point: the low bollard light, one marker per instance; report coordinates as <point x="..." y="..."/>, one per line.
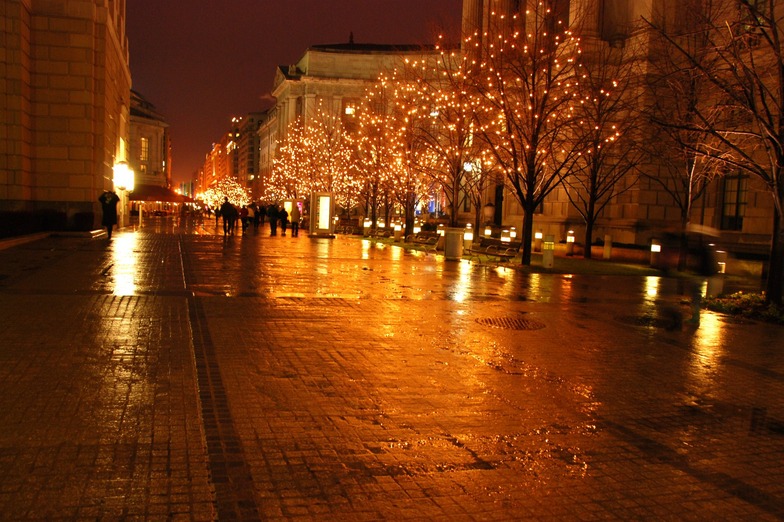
<point x="656" y="249"/>
<point x="468" y="237"/>
<point x="398" y="232"/>
<point x="607" y="246"/>
<point x="570" y="243"/>
<point x="538" y="241"/>
<point x="488" y="231"/>
<point x="366" y="226"/>
<point x="548" y="251"/>
<point x="721" y="261"/>
<point x="506" y="236"/>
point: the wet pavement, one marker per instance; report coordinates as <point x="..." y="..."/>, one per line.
<point x="173" y="373"/>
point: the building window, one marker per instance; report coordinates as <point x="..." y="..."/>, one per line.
<point x="144" y="150"/>
<point x="734" y="195"/>
<point x="350" y="107"/>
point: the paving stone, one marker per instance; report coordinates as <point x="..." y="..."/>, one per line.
<point x="174" y="373"/>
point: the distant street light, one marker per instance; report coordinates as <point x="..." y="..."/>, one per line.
<point x="124" y="182"/>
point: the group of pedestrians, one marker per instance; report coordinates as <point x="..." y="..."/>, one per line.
<point x="278" y="215"/>
<point x="255" y="214"/>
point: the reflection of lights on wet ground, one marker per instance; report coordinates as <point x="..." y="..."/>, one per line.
<point x="124" y="264"/>
<point x="708" y="348"/>
<point x="397" y="254"/>
<point x="462" y="286"/>
<point x="652" y="287"/>
<point x="567" y="288"/>
<point x="535" y="283"/>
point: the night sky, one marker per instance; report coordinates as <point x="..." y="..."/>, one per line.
<point x="201" y="62"/>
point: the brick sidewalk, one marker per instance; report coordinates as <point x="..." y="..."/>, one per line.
<point x="195" y="377"/>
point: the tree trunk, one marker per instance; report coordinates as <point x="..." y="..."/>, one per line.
<point x="773" y="287"/>
<point x="588" y="242"/>
<point x="410" y="214"/>
<point x="528" y="228"/>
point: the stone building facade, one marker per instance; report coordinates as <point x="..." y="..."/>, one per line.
<point x="65" y="98"/>
<point x="331" y="78"/>
<point x="150" y="145"/>
<point x="734" y="204"/>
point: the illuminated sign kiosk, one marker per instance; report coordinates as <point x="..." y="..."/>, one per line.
<point x="321" y="212"/>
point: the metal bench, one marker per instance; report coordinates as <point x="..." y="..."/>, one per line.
<point x="495" y="248"/>
<point x="428" y="241"/>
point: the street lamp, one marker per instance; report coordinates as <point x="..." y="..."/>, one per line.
<point x="123" y="180"/>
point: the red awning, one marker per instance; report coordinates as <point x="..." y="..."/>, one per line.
<point x="157" y="193"/>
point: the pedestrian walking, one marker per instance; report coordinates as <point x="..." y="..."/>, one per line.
<point x="284" y="219"/>
<point x="256" y="216"/>
<point x="262" y="214"/>
<point x="229" y="215"/>
<point x="294" y="217"/>
<point x="109" y="200"/>
<point x="244" y="215"/>
<point x="252" y="216"/>
<point x="272" y="214"/>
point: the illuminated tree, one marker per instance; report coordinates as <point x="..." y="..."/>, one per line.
<point x="445" y="118"/>
<point x="378" y="145"/>
<point x="411" y="184"/>
<point x="226" y="188"/>
<point x="390" y="149"/>
<point x="316" y="156"/>
<point x="292" y="165"/>
<point x="528" y="80"/>
<point x="604" y="132"/>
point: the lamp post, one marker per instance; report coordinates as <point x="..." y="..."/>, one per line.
<point x="123" y="180"/>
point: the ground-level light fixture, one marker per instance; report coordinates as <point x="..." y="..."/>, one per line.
<point x="538" y="235"/>
<point x="570" y="243"/>
<point x="656" y="249"/>
<point x="468" y="235"/>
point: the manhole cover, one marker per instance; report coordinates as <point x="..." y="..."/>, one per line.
<point x="511" y="323"/>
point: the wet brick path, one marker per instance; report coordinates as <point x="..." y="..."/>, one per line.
<point x="173" y="373"/>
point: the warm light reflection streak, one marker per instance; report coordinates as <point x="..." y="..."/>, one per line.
<point x="124" y="267"/>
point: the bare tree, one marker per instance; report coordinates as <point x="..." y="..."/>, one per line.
<point x="744" y="40"/>
<point x="681" y="107"/>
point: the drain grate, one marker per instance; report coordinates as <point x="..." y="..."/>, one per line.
<point x="511" y="323"/>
